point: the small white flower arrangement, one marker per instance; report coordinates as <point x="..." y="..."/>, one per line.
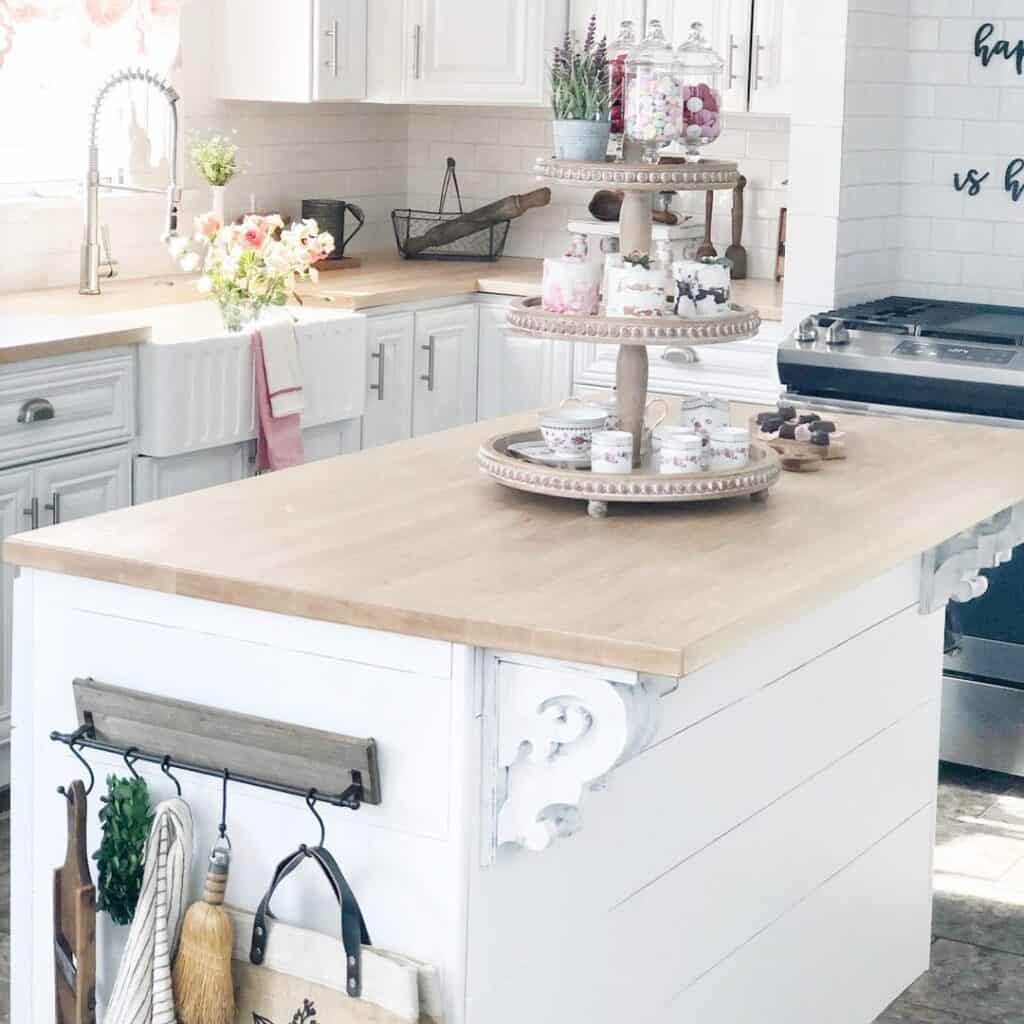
<point x="250" y="266"/>
<point x="216" y="159"/>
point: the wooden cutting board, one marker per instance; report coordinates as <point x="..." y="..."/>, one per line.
<point x="800" y="456"/>
<point x="74" y="921"/>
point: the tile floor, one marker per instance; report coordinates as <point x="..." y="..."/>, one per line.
<point x="977" y="974"/>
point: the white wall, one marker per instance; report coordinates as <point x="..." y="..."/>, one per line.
<point x="919" y="108"/>
<point x="348" y="151"/>
<point x="495" y="149"/>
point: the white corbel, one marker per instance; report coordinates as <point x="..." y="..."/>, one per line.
<point x="952" y="571"/>
<point x="553" y="732"/>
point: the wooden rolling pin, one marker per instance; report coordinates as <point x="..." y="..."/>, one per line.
<point x="476" y="220"/>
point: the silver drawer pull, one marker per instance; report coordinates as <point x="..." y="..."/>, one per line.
<point x="35" y="410"/>
<point x="53" y="507"/>
<point x="379" y="386"/>
<point x="428" y="377"/>
<point x="32" y="514"/>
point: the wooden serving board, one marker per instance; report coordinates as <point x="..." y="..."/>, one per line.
<point x="799" y="456"/>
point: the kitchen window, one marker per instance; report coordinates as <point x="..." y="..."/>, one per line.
<point x="54" y="55"/>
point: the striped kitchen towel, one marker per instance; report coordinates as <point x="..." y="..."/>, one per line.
<point x="142" y="992"/>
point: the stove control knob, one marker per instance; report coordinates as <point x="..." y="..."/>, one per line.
<point x="837" y="333"/>
<point x="807" y="330"/>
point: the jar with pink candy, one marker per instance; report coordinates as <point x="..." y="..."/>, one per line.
<point x="700" y="72"/>
<point x="653" y="97"/>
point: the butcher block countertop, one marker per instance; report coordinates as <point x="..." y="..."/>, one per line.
<point x="382" y="280"/>
<point x="411" y="538"/>
<point x="36" y="336"/>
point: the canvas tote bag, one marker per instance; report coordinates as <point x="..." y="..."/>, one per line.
<point x="289" y="975"/>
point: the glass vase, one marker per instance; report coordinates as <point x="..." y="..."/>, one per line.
<point x="239" y="314"/>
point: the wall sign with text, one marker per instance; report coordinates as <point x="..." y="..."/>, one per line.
<point x="972" y="181"/>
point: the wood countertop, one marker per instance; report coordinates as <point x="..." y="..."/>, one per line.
<point x="382" y="280"/>
<point x="411" y="538"/>
<point x="34" y="337"/>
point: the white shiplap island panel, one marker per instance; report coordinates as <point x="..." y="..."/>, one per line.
<point x="712" y="802"/>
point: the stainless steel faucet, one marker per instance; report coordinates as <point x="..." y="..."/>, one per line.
<point x="92" y="267"/>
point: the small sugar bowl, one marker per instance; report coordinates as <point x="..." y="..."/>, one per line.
<point x="729" y="448"/>
<point x="569" y="431"/>
<point x="681" y="452"/>
<point x="704" y="414"/>
<point x="612" y="452"/>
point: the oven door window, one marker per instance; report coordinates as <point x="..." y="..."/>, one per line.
<point x="985" y="637"/>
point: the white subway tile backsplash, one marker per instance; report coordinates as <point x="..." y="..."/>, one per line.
<point x="938" y="68"/>
<point x="970" y="102"/>
<point x="933" y="134"/>
<point x="933" y="267"/>
<point x="963" y="236"/>
<point x="994" y="272"/>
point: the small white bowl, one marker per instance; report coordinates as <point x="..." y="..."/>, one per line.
<point x="571" y="430"/>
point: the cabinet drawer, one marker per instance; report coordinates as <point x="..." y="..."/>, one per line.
<point x="88" y="401"/>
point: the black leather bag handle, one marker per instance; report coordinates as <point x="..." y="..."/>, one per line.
<point x="354" y="934"/>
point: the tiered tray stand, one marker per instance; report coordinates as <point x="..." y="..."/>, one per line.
<point x="633" y="335"/>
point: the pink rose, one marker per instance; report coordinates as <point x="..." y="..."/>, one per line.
<point x="253" y="237"/>
<point x="103" y="13"/>
<point x="208" y="224"/>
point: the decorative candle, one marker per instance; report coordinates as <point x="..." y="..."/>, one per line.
<point x="571" y="286"/>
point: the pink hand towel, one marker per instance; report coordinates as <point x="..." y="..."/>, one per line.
<point x="278" y="441"/>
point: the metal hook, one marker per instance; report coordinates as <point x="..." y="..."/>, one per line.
<point x="310" y="803"/>
<point x="165" y="767"/>
<point x="222" y="828"/>
<point x="88" y="767"/>
<point x="130" y="761"/>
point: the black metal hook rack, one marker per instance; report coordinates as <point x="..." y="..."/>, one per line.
<point x="85" y="737"/>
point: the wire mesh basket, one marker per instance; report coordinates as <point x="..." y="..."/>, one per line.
<point x="486" y="244"/>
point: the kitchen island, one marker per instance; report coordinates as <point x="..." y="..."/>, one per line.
<point x="676" y="765"/>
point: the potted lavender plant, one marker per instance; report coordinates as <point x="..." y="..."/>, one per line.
<point x="579" y="96"/>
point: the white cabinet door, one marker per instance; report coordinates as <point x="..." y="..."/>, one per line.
<point x="316" y="48"/>
<point x="771" y="80"/>
<point x="84" y="485"/>
<point x="389" y="368"/>
<point x="495" y="52"/>
<point x="339" y="49"/>
<point x="610" y="15"/>
<point x="726" y="26"/>
<point x="330" y="439"/>
<point x="179" y="474"/>
<point x="444" y="391"/>
<point x="518" y="373"/>
<point x="16" y="515"/>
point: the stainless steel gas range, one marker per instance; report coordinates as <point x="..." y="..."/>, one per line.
<point x="925" y="357"/>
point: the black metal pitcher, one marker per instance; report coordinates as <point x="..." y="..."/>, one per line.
<point x="329" y="215"/>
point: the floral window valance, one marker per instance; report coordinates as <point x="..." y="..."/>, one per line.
<point x="54" y="54"/>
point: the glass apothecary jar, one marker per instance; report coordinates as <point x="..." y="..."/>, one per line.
<point x="653" y="95"/>
<point x="701" y="72"/>
<point x="618" y="55"/>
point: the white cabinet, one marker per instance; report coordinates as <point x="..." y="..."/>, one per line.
<point x="462" y="51"/>
<point x="389" y="359"/>
<point x="51" y="492"/>
<point x="610" y="15"/>
<point x="84" y="485"/>
<point x="445" y="369"/>
<point x="191" y="471"/>
<point x="517" y="372"/>
<point x="330" y="439"/>
<point x="754" y="37"/>
<point x="16" y="511"/>
<point x="302" y="51"/>
<point x="772" y="57"/>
